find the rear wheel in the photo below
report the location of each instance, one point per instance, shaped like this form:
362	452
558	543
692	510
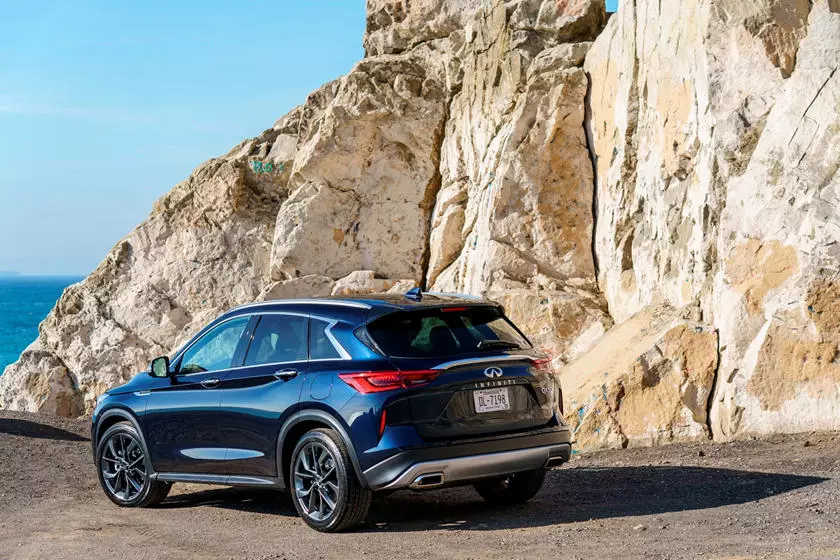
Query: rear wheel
516	488
325	489
124	468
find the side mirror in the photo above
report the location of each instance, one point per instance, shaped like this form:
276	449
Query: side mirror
160	367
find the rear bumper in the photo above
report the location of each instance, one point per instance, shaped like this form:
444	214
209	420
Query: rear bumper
459	463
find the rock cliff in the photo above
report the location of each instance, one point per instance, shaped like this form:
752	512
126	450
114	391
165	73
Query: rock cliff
653	196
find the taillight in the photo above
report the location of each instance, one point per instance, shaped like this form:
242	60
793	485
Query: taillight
543	365
379	381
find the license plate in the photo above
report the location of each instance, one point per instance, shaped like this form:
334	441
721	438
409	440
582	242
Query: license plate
491	400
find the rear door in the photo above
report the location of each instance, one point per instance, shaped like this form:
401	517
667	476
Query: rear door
260	395
491	380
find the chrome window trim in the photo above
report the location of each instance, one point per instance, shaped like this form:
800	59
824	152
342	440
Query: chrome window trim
336	344
345	355
481	360
339	302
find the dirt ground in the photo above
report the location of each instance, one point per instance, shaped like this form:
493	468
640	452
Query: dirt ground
778	498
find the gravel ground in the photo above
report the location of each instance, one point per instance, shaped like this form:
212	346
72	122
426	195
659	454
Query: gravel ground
776	498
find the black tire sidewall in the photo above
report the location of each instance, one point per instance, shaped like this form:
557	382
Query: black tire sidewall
344	472
148	483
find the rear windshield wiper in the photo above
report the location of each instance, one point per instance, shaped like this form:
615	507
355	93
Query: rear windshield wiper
497	344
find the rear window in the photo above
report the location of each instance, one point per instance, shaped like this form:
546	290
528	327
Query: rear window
445	332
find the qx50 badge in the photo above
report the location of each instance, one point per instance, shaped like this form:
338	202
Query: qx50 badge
492	372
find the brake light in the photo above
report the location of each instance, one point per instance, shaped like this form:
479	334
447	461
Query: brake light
543	365
379	381
453	309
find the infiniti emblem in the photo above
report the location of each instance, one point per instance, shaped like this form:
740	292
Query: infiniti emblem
492	372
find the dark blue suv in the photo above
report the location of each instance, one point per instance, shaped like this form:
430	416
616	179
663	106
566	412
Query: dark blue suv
335	399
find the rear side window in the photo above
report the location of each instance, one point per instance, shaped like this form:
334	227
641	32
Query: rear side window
445	332
320	345
278	338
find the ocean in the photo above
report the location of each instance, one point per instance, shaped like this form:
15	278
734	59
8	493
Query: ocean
24	302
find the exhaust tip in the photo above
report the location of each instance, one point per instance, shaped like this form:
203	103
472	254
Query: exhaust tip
427	481
554	463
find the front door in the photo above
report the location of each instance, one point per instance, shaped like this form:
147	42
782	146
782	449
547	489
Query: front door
260	395
182	421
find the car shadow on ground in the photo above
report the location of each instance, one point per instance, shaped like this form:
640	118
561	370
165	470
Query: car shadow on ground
569	496
26	428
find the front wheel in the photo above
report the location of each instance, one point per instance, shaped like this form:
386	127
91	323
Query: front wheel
516	488
124	468
325	490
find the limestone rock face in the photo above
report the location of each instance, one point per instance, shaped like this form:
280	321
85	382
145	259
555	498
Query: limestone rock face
339	196
716	128
365	175
513	220
646	382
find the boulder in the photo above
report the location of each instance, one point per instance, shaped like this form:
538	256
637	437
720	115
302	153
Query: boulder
646	382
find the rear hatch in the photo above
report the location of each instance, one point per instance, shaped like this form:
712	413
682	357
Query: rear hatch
490	380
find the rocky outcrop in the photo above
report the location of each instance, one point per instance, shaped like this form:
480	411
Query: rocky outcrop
653	198
342	196
646	382
716	131
514	218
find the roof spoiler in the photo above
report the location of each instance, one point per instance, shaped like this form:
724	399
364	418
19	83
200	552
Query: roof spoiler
416	295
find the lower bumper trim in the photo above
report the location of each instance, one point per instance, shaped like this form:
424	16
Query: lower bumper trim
463	469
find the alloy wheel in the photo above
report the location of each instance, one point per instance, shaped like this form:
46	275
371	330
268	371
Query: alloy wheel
123	466
316	481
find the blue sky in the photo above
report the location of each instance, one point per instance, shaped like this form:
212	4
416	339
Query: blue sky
104	106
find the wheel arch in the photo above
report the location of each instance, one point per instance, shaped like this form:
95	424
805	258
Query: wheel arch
114	416
303	421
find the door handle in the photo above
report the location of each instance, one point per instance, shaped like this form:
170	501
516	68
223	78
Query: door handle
286	374
210	383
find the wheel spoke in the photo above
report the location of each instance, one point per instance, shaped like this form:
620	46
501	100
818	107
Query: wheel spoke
111	448
333	487
133	483
312	496
134	463
304	474
131	444
315	466
304	461
108	475
104	458
329	472
320	504
329	501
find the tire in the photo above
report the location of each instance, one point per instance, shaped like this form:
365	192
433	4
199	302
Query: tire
516	488
321	473
123	466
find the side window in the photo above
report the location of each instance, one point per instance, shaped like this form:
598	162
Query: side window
320	345
278	338
214	351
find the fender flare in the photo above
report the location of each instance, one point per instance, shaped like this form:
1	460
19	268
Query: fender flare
324	417
123	415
